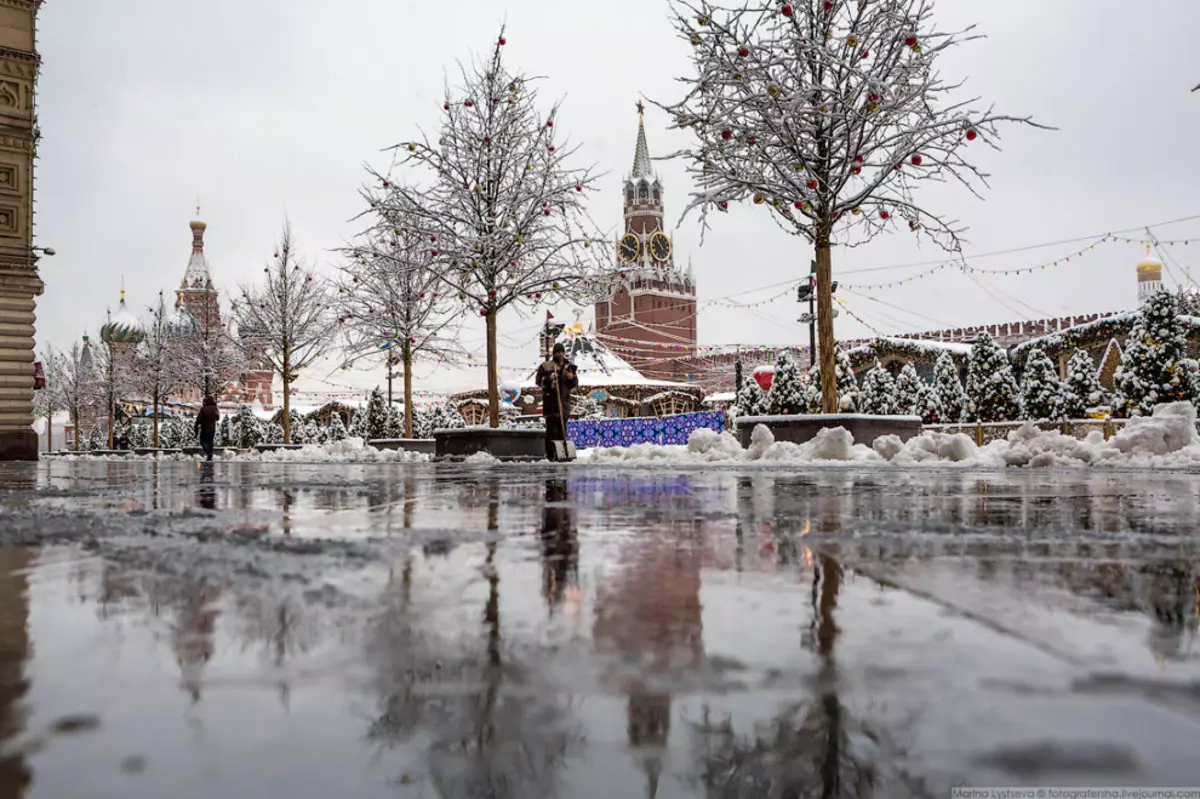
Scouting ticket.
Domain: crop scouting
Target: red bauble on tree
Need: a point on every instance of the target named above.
(743, 51)
(727, 135)
(751, 140)
(828, 5)
(787, 11)
(469, 104)
(503, 41)
(916, 160)
(445, 106)
(579, 188)
(812, 185)
(911, 41)
(884, 215)
(972, 134)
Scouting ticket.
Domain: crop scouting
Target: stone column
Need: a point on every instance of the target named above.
(19, 281)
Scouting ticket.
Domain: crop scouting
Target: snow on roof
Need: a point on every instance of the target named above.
(721, 396)
(599, 366)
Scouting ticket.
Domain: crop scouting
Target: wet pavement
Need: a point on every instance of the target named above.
(248, 629)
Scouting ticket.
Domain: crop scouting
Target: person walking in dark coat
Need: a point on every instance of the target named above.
(206, 425)
(556, 377)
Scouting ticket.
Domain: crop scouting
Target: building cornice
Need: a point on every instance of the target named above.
(24, 5)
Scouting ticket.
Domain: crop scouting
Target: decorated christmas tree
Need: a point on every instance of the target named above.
(992, 392)
(313, 433)
(272, 433)
(908, 386)
(878, 395)
(1152, 371)
(847, 385)
(224, 437)
(928, 404)
(952, 399)
(1042, 393)
(336, 431)
(1083, 389)
(751, 401)
(787, 392)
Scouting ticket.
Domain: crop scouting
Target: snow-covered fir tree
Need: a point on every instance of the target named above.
(313, 432)
(878, 395)
(336, 430)
(225, 433)
(375, 417)
(499, 200)
(829, 115)
(1152, 371)
(97, 438)
(246, 429)
(928, 405)
(272, 433)
(992, 391)
(139, 435)
(952, 398)
(847, 385)
(786, 395)
(1043, 396)
(908, 386)
(289, 322)
(176, 432)
(395, 423)
(751, 400)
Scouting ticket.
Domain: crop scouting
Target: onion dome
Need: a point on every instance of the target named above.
(181, 322)
(123, 327)
(1150, 267)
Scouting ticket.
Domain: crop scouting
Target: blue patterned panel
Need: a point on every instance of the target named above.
(673, 430)
(584, 433)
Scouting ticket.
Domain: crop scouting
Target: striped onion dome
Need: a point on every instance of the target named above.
(123, 327)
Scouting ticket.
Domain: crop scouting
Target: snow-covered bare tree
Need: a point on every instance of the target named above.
(829, 114)
(73, 377)
(156, 374)
(207, 359)
(114, 376)
(50, 400)
(503, 211)
(390, 299)
(287, 323)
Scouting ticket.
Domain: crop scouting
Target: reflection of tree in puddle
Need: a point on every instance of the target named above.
(809, 749)
(648, 626)
(15, 776)
(491, 731)
(192, 632)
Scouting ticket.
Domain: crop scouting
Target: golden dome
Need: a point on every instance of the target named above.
(1150, 266)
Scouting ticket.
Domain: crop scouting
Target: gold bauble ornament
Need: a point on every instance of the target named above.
(856, 211)
(852, 41)
(703, 20)
(759, 199)
(695, 40)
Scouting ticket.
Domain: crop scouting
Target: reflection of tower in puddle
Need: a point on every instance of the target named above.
(560, 545)
(192, 636)
(648, 621)
(15, 775)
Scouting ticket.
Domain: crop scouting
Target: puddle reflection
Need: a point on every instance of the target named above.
(542, 632)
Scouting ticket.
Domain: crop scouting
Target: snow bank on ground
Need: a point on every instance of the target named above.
(351, 450)
(1168, 439)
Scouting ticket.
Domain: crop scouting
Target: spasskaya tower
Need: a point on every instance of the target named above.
(650, 318)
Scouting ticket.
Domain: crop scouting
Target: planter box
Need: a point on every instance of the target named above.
(425, 446)
(276, 447)
(801, 428)
(501, 443)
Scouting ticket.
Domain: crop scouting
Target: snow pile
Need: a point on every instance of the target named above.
(1168, 439)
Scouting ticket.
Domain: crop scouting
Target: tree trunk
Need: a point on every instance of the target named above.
(50, 431)
(112, 408)
(157, 406)
(825, 346)
(408, 414)
(492, 376)
(287, 404)
(75, 424)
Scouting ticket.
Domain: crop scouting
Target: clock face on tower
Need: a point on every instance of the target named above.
(629, 248)
(660, 246)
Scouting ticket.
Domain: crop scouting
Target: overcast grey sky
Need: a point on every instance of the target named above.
(264, 108)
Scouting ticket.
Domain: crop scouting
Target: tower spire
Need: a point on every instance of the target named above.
(641, 155)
